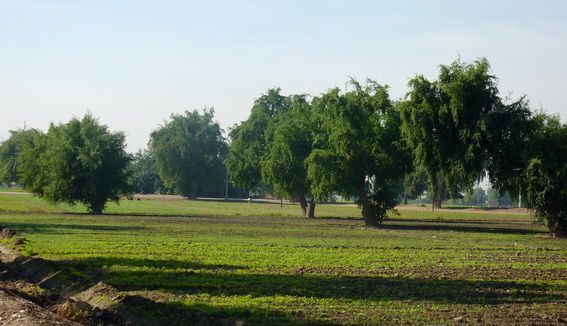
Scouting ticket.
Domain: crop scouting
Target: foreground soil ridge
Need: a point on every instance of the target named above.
(34, 291)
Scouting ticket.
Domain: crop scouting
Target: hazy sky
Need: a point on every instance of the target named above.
(133, 63)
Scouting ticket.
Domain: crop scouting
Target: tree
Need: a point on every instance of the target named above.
(358, 148)
(11, 153)
(189, 151)
(249, 140)
(78, 162)
(143, 173)
(445, 122)
(288, 146)
(545, 175)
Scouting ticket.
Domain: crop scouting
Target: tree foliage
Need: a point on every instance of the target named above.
(510, 130)
(144, 177)
(189, 151)
(415, 183)
(446, 122)
(11, 153)
(546, 175)
(77, 162)
(288, 146)
(358, 150)
(249, 140)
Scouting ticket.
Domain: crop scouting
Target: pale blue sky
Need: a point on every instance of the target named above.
(133, 63)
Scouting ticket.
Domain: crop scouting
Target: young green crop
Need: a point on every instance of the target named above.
(419, 267)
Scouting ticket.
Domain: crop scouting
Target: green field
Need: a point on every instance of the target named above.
(263, 264)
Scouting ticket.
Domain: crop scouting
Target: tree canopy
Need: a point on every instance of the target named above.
(445, 122)
(189, 151)
(358, 148)
(545, 175)
(144, 177)
(77, 162)
(11, 153)
(288, 146)
(250, 138)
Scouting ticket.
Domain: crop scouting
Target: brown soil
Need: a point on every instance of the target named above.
(15, 310)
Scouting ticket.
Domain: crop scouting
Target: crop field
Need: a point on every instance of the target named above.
(263, 264)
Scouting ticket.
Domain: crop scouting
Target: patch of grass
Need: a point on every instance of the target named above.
(268, 266)
(15, 189)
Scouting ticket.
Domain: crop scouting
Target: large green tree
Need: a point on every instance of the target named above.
(358, 151)
(536, 168)
(288, 145)
(189, 151)
(446, 121)
(546, 177)
(77, 162)
(11, 153)
(250, 138)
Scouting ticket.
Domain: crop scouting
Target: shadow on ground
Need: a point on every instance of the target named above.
(366, 288)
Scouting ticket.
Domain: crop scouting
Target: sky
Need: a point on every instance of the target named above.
(134, 63)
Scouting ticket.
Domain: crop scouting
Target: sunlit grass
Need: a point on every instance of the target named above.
(276, 267)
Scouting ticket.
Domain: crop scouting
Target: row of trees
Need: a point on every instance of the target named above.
(356, 142)
(451, 132)
(83, 162)
(77, 162)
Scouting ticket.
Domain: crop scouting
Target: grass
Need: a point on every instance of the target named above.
(264, 265)
(13, 189)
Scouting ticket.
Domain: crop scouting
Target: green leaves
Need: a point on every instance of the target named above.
(78, 162)
(143, 173)
(283, 163)
(359, 151)
(189, 151)
(11, 153)
(250, 139)
(545, 175)
(446, 123)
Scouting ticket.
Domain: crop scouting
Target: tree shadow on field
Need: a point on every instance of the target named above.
(472, 226)
(54, 228)
(143, 311)
(418, 226)
(223, 280)
(451, 221)
(99, 263)
(145, 215)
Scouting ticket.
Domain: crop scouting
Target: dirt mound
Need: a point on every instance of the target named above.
(79, 311)
(6, 233)
(18, 311)
(35, 291)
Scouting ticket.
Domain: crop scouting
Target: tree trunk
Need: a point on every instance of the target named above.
(367, 210)
(559, 233)
(312, 208)
(96, 209)
(303, 204)
(405, 198)
(437, 198)
(194, 189)
(557, 228)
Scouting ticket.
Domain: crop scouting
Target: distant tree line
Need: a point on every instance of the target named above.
(442, 138)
